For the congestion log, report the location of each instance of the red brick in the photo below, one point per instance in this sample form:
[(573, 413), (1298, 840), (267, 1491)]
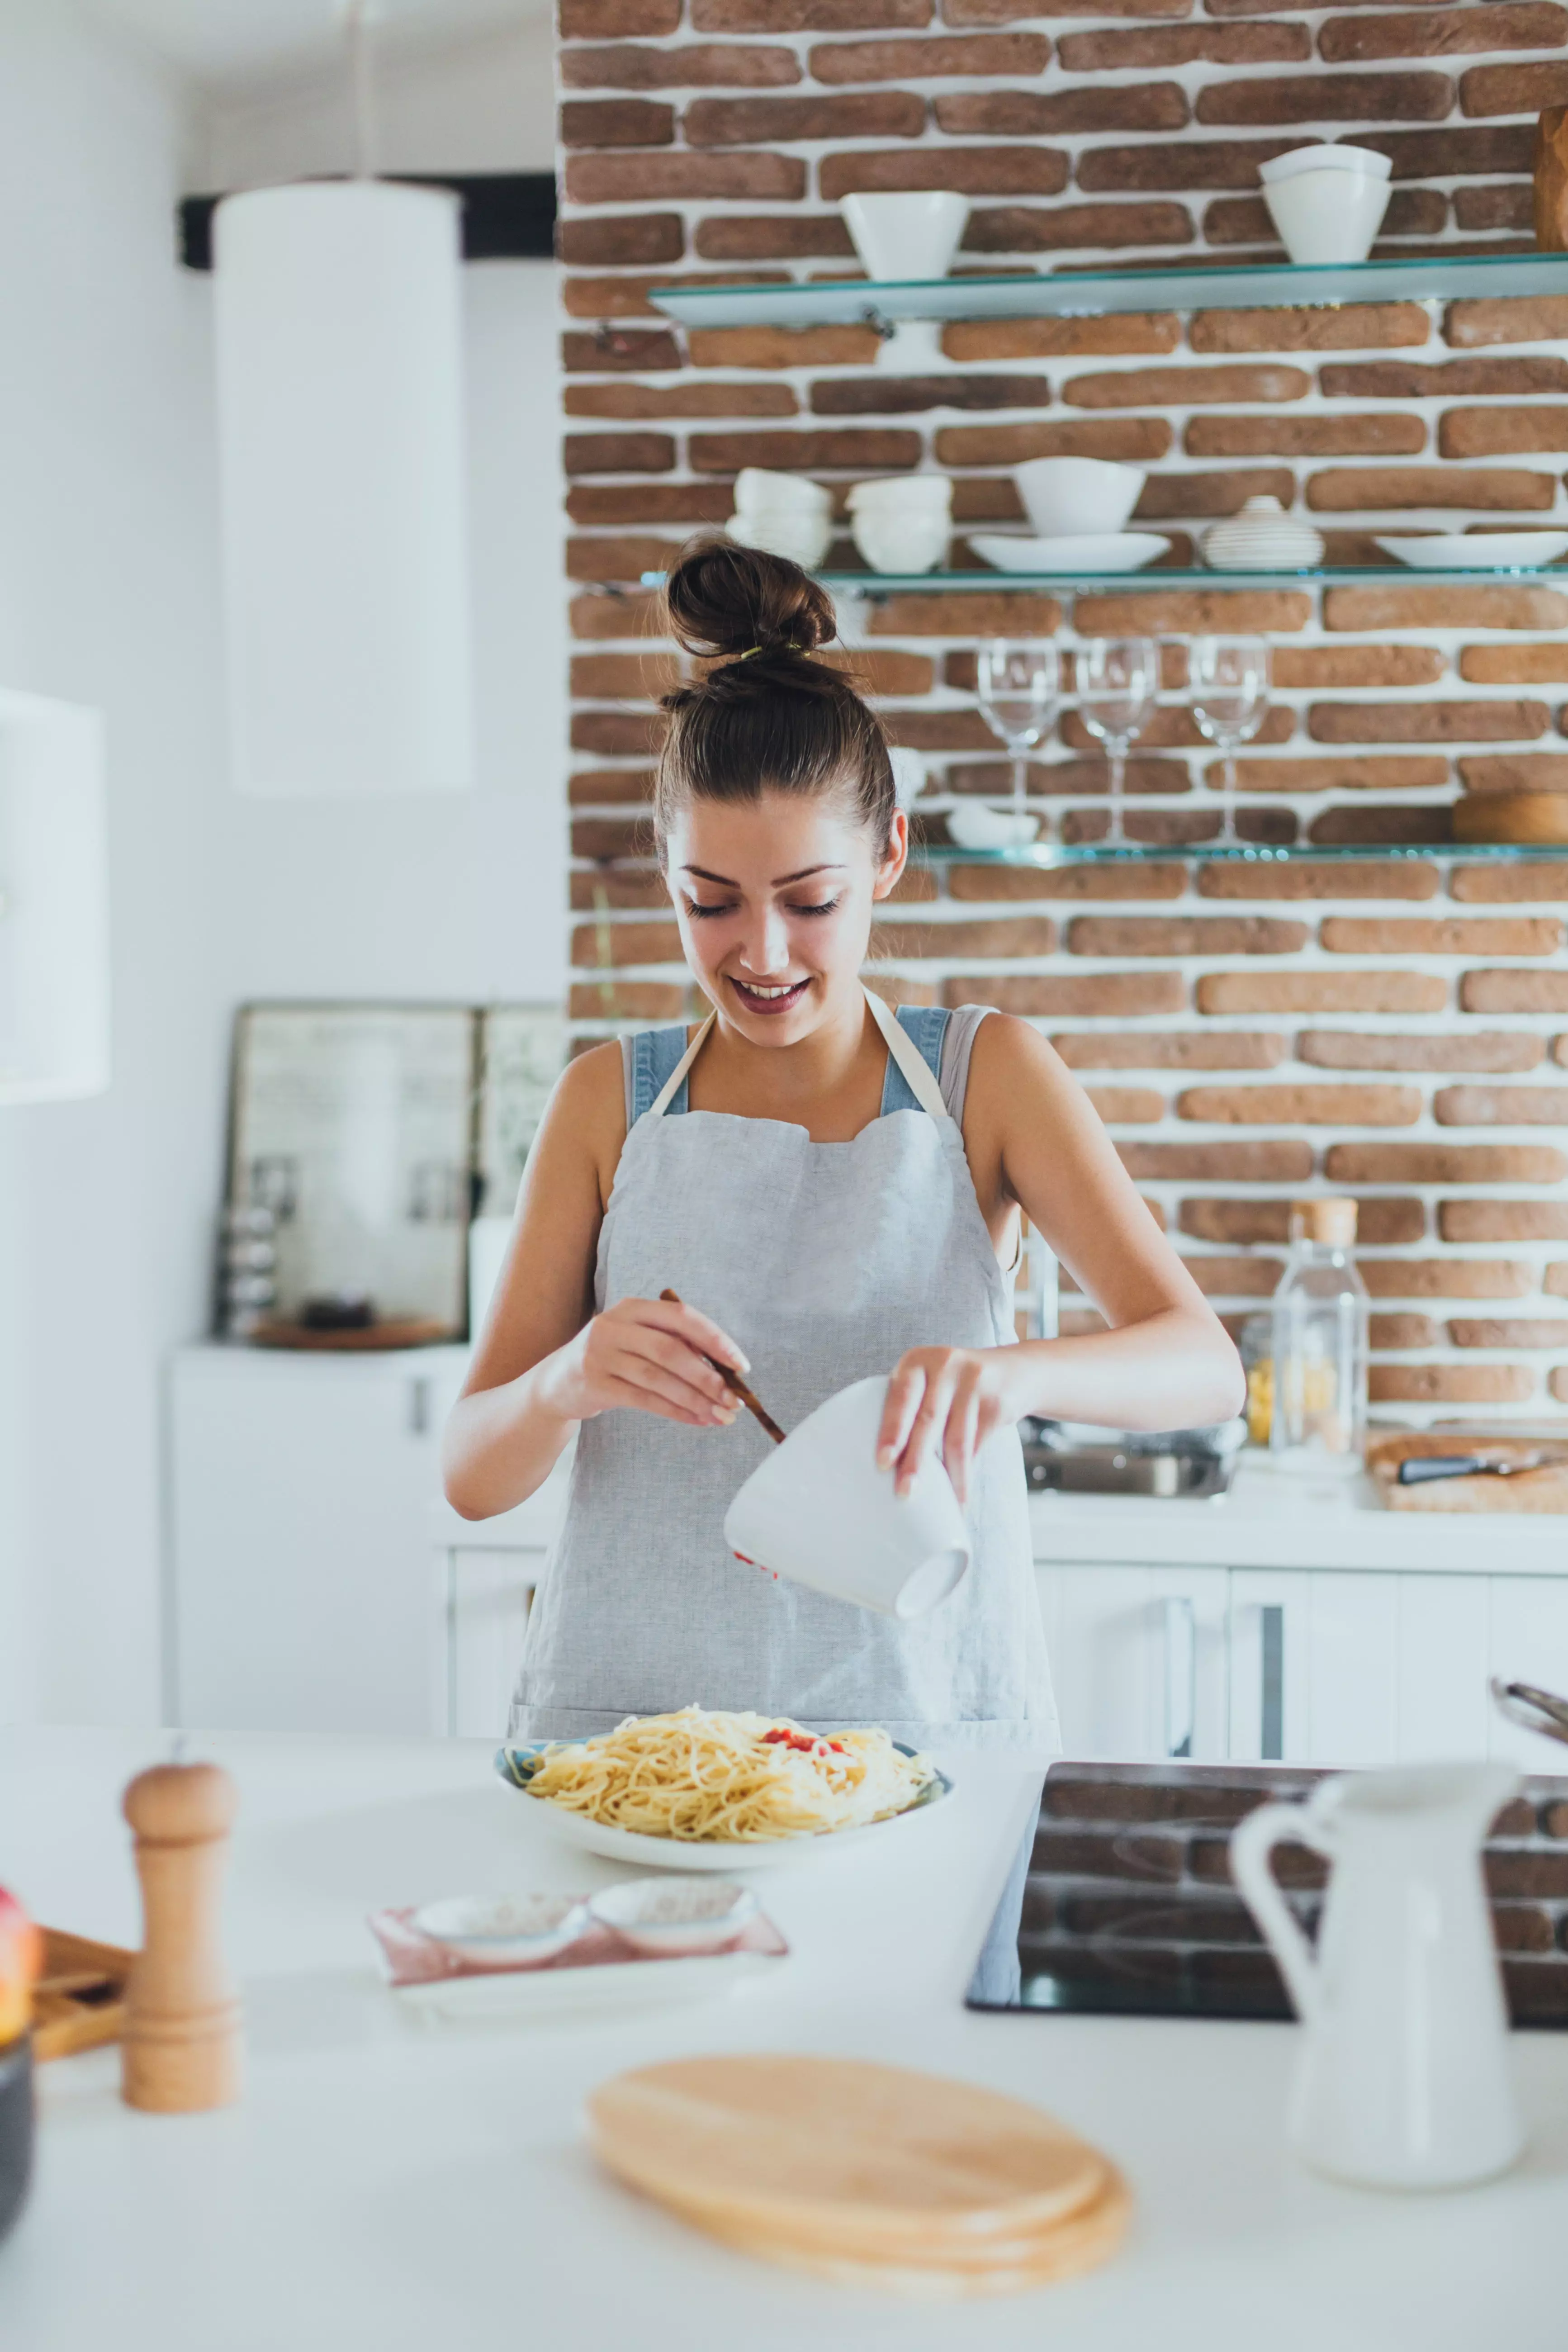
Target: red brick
[(1123, 439), (969, 171), (1154, 45), (618, 559), (1153, 612), (692, 65), (621, 179), (1501, 1106), (1503, 1221), (1307, 880), (1512, 607), (617, 123), (609, 733), (1271, 1161), (1339, 665), (1244, 220), (604, 678), (1512, 89), (1505, 885), (628, 999), (1509, 1331), (1305, 437), (968, 613), (1445, 1163), (1427, 722), (1128, 1105), (1301, 1106), (1169, 1049), (939, 730), (680, 399), (1502, 432), (935, 59), (992, 884), (1165, 496), (1453, 379), (1033, 114), (1444, 1277), (1558, 1384), (756, 121), (612, 20), (1503, 318), (1507, 205), (1053, 229), (1380, 1225), (630, 943), (770, 237), (1477, 1049), (631, 237), (892, 393), (1183, 935), (1165, 164), (1543, 665), (1028, 935), (599, 354), (1067, 777), (1006, 12), (1515, 771), (1329, 98), (1409, 1331), (1073, 997), (1383, 489), (592, 787), (781, 347), (809, 15), (833, 452), (603, 297), (1380, 824), (1450, 153), (1450, 935), (1236, 1278), (618, 452), (620, 615), (1182, 387), (1450, 1384), (1346, 771), (1513, 991), (1554, 1282), (1320, 991), (1443, 32), (968, 341)]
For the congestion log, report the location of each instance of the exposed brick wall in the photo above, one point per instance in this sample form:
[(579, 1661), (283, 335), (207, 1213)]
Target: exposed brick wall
[(1400, 1030)]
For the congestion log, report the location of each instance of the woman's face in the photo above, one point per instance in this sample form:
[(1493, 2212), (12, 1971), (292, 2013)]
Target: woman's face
[(774, 901)]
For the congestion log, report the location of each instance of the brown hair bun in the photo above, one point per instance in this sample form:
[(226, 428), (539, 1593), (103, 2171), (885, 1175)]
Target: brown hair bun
[(727, 600)]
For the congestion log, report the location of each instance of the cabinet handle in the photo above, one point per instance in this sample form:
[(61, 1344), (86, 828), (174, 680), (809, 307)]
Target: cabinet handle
[(1181, 1676), (1271, 1747), (419, 1408)]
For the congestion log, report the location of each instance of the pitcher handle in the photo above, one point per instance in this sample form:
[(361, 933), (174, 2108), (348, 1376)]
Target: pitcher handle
[(1251, 1844)]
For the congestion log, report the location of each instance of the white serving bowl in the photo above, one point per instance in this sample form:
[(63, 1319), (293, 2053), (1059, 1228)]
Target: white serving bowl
[(987, 828), (819, 1511), (1328, 216), (1112, 550), (902, 494), (1064, 496), (1339, 157), (803, 538), (893, 542), (667, 1916), (1479, 551), (500, 1930), (757, 489), (906, 236)]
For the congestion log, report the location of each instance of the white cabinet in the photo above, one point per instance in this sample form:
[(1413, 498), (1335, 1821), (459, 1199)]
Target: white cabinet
[(489, 1593), (305, 1586), (1138, 1657)]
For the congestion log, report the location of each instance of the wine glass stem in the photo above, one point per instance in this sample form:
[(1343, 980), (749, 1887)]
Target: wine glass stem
[(1227, 831), (1020, 783), (1114, 830)]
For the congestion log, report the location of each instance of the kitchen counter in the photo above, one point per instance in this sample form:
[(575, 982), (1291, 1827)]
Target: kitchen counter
[(390, 2187)]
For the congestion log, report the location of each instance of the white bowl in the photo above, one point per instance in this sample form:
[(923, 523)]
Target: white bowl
[(1339, 157), (1112, 550), (987, 828), (894, 543), (1069, 494), (756, 489), (667, 1917), (499, 1930), (805, 539), (820, 1512), (906, 236), (1328, 216), (1479, 551), (901, 493)]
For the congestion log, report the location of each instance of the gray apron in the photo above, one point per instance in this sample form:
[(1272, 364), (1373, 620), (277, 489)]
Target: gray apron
[(823, 1262)]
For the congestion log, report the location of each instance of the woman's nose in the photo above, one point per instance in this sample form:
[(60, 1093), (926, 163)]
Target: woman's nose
[(766, 945)]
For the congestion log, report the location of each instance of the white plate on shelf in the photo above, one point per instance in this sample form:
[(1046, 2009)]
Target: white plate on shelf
[(1479, 551), (1105, 551), (517, 1765)]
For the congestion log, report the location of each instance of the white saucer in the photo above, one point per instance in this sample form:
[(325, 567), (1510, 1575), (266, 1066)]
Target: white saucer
[(1105, 551), (979, 828), (1479, 551)]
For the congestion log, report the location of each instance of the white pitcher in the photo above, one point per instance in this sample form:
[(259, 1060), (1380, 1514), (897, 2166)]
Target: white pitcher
[(1404, 2079)]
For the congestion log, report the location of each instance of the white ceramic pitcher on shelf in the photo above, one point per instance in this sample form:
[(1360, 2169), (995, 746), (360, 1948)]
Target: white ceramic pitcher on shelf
[(1404, 2079)]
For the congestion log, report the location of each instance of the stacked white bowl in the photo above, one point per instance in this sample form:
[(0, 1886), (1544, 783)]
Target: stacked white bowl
[(1327, 203), (902, 522), (1079, 508), (787, 514)]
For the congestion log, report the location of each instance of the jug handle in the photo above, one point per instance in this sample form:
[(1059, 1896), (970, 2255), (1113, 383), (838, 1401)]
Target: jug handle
[(1251, 1844)]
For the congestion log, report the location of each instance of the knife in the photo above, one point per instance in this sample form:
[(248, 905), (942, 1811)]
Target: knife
[(1417, 1468)]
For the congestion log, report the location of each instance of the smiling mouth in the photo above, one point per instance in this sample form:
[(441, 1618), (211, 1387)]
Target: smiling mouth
[(769, 999)]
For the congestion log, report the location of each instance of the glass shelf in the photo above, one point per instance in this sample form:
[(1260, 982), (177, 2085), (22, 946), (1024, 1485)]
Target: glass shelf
[(1047, 854), (1349, 575), (1092, 293)]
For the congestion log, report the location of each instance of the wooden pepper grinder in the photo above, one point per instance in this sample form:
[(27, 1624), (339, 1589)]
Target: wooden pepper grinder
[(1550, 186), (181, 2044)]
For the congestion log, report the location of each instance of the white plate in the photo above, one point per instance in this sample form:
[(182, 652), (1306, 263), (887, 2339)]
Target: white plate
[(1479, 551), (612, 1984), (979, 828), (685, 1854), (1106, 551)]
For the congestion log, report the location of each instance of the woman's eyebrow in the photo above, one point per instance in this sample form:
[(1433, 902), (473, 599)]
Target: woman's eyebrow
[(779, 882)]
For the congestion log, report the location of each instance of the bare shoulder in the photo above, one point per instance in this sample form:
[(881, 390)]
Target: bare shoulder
[(585, 1118), (591, 1085), (1010, 1056)]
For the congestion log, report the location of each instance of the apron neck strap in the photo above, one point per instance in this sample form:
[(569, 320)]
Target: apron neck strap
[(899, 1045)]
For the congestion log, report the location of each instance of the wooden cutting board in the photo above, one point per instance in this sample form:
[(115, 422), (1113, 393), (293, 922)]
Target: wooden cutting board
[(1543, 1491), (1512, 816), (79, 2001), (858, 2171)]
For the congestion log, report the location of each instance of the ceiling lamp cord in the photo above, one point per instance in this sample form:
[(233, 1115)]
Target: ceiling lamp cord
[(355, 15)]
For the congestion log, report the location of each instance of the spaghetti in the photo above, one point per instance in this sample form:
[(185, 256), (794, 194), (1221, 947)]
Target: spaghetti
[(698, 1777)]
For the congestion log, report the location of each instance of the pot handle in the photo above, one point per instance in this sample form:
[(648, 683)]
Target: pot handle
[(1251, 1844)]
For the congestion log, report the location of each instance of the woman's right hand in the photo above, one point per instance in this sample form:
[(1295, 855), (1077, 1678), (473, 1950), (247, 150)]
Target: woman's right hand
[(650, 1356)]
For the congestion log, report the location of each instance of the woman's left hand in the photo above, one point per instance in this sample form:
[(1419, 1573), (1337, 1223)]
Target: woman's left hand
[(950, 1397)]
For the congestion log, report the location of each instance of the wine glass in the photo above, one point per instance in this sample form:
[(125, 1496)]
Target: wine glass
[(1118, 680), (1018, 681), (1228, 678)]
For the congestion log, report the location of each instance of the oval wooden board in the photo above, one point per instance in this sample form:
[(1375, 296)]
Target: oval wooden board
[(871, 2160), (1512, 816)]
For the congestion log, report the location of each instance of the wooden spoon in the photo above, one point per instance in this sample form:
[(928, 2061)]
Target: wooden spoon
[(733, 1382)]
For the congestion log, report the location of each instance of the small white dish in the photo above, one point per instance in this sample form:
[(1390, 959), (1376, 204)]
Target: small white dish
[(1330, 156), (791, 531), (1072, 495), (757, 489), (500, 1930), (675, 1917), (987, 828), (1262, 538), (901, 235), (1112, 550), (1479, 551)]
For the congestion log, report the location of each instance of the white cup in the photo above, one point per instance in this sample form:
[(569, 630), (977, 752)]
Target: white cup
[(802, 538), (820, 1512), (1339, 156), (756, 489), (895, 543), (1326, 216), (902, 494), (1065, 495), (904, 235)]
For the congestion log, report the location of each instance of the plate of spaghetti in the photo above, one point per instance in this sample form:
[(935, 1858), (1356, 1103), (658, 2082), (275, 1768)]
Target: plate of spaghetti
[(694, 1791)]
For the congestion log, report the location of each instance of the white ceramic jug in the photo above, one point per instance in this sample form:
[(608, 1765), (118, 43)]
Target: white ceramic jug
[(1404, 2079)]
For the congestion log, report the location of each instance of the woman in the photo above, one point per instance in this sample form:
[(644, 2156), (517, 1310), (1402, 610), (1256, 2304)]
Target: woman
[(833, 1193)]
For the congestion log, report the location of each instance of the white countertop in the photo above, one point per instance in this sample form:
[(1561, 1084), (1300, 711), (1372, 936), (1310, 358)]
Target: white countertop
[(388, 2187)]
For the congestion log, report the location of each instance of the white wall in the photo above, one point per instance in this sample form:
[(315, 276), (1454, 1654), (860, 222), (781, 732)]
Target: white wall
[(108, 583)]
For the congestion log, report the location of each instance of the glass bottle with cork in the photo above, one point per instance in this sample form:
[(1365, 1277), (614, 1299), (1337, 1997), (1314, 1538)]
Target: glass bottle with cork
[(1318, 1417)]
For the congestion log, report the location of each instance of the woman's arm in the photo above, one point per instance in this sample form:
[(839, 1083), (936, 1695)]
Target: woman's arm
[(1032, 1137), (544, 1361)]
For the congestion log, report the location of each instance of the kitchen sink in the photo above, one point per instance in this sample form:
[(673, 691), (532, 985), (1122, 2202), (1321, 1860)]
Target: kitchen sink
[(1192, 1464)]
